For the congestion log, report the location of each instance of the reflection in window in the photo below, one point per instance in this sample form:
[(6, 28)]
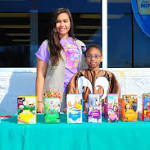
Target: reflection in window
[(14, 39), (128, 45), (21, 33)]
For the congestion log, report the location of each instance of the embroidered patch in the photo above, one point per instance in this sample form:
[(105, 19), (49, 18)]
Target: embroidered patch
[(53, 67), (83, 48)]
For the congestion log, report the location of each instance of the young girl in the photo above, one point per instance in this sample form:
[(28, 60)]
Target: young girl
[(59, 57), (93, 80)]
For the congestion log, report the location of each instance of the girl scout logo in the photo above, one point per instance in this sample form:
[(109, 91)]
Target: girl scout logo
[(141, 9)]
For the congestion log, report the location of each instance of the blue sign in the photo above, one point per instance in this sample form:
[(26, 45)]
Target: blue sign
[(141, 10)]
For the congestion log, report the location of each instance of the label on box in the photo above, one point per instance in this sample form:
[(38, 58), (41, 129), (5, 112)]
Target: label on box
[(146, 107), (112, 109), (52, 110), (74, 108), (129, 108), (26, 109), (94, 108)]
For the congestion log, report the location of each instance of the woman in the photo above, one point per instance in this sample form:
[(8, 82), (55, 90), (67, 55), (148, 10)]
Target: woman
[(58, 58)]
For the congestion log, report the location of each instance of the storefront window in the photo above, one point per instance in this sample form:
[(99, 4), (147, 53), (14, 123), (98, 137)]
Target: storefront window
[(128, 42), (23, 32), (14, 39)]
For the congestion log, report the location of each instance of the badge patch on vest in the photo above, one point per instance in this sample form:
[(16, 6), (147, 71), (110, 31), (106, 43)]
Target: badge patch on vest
[(53, 67), (83, 48)]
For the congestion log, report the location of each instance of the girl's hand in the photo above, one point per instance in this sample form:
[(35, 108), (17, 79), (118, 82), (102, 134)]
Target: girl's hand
[(40, 107)]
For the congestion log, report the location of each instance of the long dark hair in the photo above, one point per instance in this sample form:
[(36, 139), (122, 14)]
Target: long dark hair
[(54, 39)]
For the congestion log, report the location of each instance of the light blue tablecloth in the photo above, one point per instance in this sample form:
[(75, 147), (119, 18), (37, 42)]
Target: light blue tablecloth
[(63, 136)]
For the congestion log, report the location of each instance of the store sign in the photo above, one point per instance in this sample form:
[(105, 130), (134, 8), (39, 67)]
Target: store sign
[(144, 7), (141, 9)]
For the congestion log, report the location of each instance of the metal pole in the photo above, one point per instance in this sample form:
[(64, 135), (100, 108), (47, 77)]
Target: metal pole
[(34, 36), (104, 33)]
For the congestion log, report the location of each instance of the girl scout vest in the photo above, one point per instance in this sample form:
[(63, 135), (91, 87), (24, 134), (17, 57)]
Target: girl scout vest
[(55, 74)]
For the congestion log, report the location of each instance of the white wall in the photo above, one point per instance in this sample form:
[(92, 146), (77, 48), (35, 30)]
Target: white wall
[(13, 83), (21, 82), (133, 81)]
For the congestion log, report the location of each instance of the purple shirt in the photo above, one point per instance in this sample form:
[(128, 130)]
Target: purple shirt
[(72, 53)]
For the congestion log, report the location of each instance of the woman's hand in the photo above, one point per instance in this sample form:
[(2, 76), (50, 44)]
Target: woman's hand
[(40, 107)]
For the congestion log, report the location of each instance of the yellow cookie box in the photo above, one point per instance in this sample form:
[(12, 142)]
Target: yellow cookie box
[(129, 108), (27, 109)]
